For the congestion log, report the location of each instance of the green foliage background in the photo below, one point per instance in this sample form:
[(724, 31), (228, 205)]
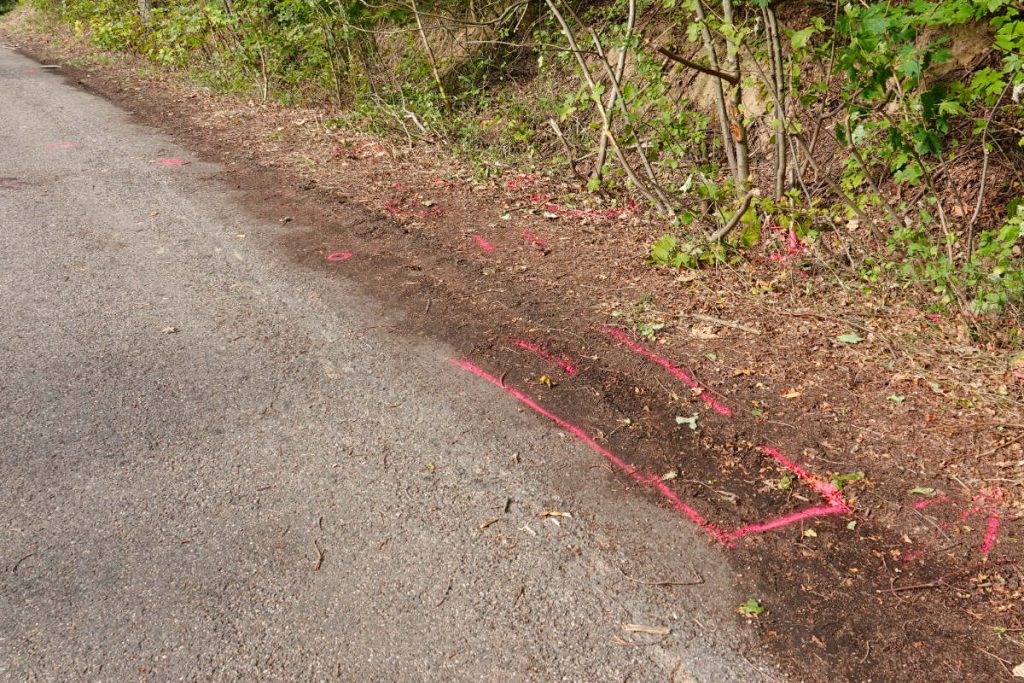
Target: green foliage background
[(878, 78)]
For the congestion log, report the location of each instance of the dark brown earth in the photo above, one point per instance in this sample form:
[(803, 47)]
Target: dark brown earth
[(887, 592)]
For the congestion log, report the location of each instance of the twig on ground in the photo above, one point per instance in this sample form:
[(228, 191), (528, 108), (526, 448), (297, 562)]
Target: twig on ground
[(319, 556), (697, 581)]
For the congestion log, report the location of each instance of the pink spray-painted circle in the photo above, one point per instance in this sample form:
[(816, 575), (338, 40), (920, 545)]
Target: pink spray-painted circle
[(336, 256), (170, 161), (63, 144)]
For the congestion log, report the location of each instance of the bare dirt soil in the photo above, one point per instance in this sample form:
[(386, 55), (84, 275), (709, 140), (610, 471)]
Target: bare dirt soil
[(894, 504)]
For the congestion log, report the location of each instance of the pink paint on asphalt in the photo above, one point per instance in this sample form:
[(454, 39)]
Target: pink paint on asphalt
[(336, 256), (63, 144), (170, 161), (568, 367), (835, 505), (483, 244), (711, 401)]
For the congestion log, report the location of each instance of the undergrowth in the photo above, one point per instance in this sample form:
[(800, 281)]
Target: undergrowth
[(878, 139)]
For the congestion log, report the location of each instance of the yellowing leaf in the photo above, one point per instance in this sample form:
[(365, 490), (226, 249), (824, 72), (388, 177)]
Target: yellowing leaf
[(792, 393)]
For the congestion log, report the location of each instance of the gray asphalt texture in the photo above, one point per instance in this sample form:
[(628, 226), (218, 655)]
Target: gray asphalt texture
[(187, 421)]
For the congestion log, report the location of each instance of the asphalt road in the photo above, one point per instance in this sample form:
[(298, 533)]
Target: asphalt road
[(218, 465)]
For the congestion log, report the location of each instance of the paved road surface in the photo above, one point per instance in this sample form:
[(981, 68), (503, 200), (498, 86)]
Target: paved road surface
[(165, 495)]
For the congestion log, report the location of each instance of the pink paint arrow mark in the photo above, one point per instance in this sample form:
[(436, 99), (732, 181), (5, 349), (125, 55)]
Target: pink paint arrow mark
[(336, 256)]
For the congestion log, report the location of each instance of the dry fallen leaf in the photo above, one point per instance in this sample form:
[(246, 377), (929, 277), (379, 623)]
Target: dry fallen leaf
[(792, 393), (556, 513), (170, 329), (742, 371), (546, 381)]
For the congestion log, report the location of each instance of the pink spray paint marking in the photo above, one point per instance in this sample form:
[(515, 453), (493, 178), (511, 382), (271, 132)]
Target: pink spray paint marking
[(483, 244), (983, 503), (826, 489), (922, 504), (530, 237), (835, 504), (336, 256), (170, 161), (517, 182), (63, 144), (794, 247), (991, 531), (711, 401), (646, 479), (566, 366)]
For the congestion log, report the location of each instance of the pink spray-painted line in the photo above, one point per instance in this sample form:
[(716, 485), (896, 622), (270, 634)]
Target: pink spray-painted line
[(786, 520), (646, 479), (63, 144), (711, 401), (983, 502), (530, 237), (826, 489), (566, 366), (483, 244), (727, 538), (991, 531), (336, 256), (170, 161), (518, 181), (922, 504)]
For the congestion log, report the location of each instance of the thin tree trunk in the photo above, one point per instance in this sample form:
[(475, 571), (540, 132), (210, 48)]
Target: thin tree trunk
[(723, 114), (775, 57), (430, 56), (737, 127), (620, 67)]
